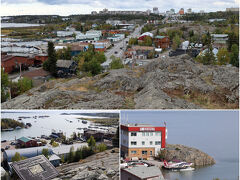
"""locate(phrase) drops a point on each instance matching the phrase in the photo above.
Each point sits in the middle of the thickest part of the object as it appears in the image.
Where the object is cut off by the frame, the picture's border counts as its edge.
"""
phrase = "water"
(213, 132)
(11, 25)
(44, 126)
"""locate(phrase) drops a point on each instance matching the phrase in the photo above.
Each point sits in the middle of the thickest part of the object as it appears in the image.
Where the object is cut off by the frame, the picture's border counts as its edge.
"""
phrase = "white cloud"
(67, 7)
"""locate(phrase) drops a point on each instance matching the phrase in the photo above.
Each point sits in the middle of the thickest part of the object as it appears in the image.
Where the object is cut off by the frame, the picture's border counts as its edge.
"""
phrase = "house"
(162, 42)
(143, 52)
(27, 142)
(144, 35)
(66, 67)
(142, 141)
(40, 58)
(98, 135)
(142, 172)
(77, 49)
(219, 40)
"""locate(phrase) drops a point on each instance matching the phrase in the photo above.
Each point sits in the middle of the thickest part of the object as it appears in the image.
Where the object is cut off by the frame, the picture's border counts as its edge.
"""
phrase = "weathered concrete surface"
(176, 82)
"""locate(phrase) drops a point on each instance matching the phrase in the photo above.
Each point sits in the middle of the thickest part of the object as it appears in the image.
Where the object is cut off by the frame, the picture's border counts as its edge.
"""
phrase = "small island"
(8, 124)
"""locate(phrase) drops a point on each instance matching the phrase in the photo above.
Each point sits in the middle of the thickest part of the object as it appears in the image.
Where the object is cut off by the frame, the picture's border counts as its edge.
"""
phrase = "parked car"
(115, 52)
(7, 147)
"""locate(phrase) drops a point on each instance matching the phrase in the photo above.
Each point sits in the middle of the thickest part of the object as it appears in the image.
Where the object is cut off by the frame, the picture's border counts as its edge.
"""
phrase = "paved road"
(119, 47)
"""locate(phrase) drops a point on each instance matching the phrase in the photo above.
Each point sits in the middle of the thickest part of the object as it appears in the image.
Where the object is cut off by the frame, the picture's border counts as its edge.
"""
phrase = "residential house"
(55, 160)
(66, 67)
(162, 42)
(143, 52)
(77, 49)
(144, 35)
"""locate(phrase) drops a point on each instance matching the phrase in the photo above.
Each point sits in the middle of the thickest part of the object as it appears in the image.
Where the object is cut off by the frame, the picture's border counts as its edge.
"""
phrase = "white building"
(92, 34)
(142, 140)
(155, 10)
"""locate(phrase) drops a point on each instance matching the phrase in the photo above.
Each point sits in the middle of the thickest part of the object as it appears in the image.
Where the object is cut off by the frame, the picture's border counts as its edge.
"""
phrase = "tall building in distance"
(155, 10)
(148, 12)
(236, 9)
(172, 11)
(181, 11)
(189, 10)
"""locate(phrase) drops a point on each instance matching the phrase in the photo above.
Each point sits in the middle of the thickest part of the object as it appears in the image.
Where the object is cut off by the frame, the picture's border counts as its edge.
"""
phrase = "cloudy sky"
(68, 7)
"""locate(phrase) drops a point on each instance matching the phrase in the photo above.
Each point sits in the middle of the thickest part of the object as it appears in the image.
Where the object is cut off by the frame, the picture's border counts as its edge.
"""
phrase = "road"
(120, 47)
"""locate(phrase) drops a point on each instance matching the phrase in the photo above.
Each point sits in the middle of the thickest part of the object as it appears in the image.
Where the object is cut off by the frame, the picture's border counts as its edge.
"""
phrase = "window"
(150, 152)
(151, 143)
(144, 152)
(157, 142)
(133, 143)
(133, 152)
(143, 133)
(151, 134)
(133, 134)
(147, 133)
(143, 142)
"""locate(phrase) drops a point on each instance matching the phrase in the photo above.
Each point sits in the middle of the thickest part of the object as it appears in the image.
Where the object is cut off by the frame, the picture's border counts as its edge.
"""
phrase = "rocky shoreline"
(187, 154)
(168, 83)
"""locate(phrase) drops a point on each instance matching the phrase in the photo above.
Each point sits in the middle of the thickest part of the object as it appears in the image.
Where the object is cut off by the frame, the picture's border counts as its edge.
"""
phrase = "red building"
(39, 59)
(181, 11)
(27, 142)
(142, 141)
(162, 42)
(144, 35)
(11, 63)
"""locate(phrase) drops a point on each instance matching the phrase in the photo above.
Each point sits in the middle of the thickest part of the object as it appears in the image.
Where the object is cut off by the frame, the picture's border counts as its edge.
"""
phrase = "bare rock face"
(187, 154)
(176, 82)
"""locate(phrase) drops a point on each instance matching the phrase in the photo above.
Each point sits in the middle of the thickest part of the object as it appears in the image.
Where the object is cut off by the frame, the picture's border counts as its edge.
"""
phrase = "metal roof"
(145, 172)
(25, 139)
(160, 37)
(54, 157)
(36, 168)
(26, 152)
(64, 149)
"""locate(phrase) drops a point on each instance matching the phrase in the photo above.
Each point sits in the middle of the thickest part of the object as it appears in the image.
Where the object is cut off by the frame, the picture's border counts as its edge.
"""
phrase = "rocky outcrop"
(169, 83)
(101, 166)
(187, 154)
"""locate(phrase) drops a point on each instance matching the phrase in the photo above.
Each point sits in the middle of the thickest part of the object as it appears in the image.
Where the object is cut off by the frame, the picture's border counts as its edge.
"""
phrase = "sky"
(68, 7)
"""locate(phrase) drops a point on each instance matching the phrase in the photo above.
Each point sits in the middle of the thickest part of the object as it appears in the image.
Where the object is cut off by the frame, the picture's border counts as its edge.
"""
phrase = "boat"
(178, 166)
(84, 121)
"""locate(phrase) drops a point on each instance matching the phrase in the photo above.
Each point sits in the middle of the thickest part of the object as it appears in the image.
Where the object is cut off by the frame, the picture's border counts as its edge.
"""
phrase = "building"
(90, 35)
(25, 152)
(148, 12)
(37, 167)
(25, 142)
(55, 160)
(189, 10)
(162, 42)
(236, 9)
(181, 11)
(155, 10)
(12, 63)
(142, 172)
(142, 36)
(94, 13)
(66, 67)
(219, 40)
(142, 52)
(142, 140)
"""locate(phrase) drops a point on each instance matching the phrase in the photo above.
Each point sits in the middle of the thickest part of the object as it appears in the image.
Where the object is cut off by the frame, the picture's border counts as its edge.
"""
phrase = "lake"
(12, 25)
(44, 126)
(213, 132)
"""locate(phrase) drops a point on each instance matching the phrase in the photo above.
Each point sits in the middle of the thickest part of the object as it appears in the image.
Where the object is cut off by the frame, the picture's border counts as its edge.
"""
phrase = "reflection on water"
(45, 125)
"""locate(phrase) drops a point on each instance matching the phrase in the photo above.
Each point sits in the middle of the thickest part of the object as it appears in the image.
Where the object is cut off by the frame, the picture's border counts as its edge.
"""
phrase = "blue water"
(213, 132)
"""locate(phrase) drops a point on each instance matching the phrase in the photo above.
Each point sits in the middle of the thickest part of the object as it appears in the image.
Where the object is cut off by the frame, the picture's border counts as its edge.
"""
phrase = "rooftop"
(64, 63)
(160, 37)
(143, 48)
(38, 167)
(64, 149)
(145, 172)
(25, 139)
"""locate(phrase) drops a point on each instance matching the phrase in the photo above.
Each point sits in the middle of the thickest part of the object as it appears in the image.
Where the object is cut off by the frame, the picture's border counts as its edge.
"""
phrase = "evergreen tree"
(50, 64)
(115, 139)
(234, 56)
(45, 152)
(223, 56)
(4, 86)
(91, 142)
